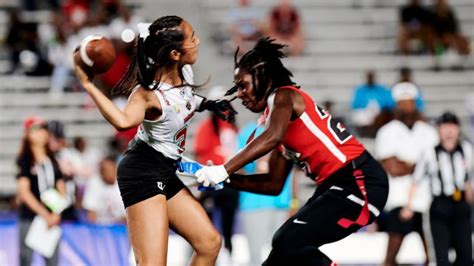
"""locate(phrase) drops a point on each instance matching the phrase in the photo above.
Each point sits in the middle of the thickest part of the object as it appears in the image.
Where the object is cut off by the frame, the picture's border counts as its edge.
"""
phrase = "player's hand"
(222, 108)
(82, 75)
(406, 214)
(212, 175)
(53, 219)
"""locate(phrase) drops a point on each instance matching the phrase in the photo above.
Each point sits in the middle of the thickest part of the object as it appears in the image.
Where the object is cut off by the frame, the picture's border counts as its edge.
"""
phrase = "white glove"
(212, 175)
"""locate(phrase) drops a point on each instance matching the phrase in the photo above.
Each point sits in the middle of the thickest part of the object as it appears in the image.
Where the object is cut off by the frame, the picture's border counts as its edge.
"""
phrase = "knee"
(209, 244)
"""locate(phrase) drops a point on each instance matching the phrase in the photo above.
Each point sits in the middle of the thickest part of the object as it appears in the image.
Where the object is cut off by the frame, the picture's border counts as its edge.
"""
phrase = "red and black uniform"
(352, 186)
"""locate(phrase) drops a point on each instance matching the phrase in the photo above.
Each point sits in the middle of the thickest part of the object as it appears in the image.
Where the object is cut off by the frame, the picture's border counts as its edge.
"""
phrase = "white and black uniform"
(149, 165)
(450, 214)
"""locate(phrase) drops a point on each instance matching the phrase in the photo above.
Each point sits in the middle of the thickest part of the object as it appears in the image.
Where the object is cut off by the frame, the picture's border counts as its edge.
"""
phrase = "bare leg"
(147, 223)
(188, 218)
(394, 243)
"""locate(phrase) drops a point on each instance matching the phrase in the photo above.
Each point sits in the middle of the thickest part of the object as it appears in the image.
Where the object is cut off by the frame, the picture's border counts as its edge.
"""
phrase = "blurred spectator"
(270, 211)
(286, 27)
(38, 172)
(246, 26)
(415, 25)
(215, 142)
(449, 168)
(23, 43)
(58, 145)
(85, 162)
(406, 76)
(399, 145)
(372, 105)
(33, 5)
(102, 199)
(448, 35)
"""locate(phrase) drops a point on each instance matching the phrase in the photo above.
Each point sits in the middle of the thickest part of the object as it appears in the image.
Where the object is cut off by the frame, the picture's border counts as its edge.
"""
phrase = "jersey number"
(337, 129)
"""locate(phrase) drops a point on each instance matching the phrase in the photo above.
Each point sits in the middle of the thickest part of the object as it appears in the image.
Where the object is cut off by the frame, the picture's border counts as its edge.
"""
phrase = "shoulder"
(425, 127)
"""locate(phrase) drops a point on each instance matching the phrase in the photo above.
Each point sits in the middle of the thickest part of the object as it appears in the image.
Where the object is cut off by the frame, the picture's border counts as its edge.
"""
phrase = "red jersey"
(320, 145)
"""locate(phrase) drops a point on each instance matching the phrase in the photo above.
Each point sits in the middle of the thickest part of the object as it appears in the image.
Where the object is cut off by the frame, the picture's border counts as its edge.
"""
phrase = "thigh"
(188, 218)
(147, 223)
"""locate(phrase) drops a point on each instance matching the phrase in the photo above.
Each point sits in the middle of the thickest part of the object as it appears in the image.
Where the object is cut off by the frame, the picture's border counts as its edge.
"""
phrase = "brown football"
(96, 54)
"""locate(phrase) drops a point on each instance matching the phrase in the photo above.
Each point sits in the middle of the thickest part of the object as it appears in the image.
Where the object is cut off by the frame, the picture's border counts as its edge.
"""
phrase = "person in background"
(446, 28)
(270, 211)
(102, 199)
(372, 106)
(38, 171)
(245, 26)
(285, 27)
(398, 146)
(449, 169)
(407, 76)
(85, 162)
(59, 146)
(415, 25)
(214, 143)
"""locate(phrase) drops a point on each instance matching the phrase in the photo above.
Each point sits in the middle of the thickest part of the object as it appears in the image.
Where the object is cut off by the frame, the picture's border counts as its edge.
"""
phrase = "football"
(95, 54)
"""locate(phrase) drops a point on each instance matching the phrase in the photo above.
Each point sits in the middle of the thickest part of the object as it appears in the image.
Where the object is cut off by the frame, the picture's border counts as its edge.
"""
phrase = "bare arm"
(468, 191)
(26, 196)
(270, 183)
(133, 114)
(271, 137)
(395, 167)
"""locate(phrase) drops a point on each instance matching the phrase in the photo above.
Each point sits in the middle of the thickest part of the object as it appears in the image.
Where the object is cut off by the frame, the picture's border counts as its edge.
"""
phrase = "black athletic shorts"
(395, 224)
(144, 172)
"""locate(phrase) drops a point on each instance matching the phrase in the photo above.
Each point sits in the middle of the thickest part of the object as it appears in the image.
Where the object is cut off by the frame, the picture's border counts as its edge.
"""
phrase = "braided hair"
(152, 53)
(263, 62)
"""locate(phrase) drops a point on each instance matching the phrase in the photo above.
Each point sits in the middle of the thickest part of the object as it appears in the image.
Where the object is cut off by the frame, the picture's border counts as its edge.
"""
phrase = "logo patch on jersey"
(180, 139)
(188, 105)
(176, 108)
(160, 185)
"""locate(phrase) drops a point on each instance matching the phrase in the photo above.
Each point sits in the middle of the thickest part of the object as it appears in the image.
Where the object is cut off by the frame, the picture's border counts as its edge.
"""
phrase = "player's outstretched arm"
(271, 137)
(279, 118)
(270, 183)
(133, 114)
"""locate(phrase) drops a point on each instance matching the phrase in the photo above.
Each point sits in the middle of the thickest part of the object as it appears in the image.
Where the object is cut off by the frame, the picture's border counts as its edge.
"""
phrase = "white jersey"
(167, 134)
(395, 139)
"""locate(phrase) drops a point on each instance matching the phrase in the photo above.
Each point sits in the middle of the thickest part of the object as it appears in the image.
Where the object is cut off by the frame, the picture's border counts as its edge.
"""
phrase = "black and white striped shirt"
(447, 171)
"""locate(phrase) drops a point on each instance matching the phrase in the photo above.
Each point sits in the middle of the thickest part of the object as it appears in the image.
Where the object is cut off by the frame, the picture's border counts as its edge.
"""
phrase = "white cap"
(404, 91)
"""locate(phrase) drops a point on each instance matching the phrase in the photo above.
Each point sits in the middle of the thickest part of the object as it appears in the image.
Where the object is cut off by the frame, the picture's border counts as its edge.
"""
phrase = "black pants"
(450, 223)
(297, 241)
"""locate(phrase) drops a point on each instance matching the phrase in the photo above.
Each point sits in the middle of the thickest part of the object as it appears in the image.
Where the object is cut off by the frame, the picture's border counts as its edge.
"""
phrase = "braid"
(263, 62)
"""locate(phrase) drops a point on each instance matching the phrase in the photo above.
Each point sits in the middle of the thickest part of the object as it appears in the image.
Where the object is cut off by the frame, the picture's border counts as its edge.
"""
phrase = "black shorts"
(395, 224)
(144, 172)
(318, 221)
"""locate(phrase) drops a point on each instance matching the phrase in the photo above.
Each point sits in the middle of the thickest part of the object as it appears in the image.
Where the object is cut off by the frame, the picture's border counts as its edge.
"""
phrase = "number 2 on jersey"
(337, 129)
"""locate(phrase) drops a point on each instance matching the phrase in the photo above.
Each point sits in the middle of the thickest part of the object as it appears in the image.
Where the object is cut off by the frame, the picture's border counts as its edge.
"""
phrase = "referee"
(449, 167)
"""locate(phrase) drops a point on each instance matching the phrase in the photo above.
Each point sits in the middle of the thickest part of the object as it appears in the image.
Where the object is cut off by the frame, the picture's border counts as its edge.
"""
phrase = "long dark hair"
(152, 53)
(26, 153)
(263, 62)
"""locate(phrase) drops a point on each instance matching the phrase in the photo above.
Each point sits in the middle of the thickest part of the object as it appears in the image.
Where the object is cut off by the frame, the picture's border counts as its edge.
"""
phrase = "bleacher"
(22, 96)
(345, 38)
